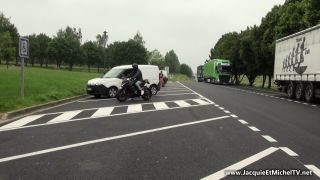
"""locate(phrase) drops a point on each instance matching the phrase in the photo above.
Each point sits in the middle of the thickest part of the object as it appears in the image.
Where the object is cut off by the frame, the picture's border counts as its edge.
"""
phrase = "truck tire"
(300, 91)
(291, 90)
(309, 93)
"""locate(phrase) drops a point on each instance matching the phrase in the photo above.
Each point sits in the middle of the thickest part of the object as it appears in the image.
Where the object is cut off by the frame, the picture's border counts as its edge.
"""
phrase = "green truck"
(217, 71)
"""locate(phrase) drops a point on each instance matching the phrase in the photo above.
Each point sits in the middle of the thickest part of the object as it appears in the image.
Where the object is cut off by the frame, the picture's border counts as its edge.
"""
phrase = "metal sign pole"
(22, 78)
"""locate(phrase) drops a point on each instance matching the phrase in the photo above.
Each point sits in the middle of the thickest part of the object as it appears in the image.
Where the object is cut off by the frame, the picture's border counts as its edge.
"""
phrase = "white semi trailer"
(297, 64)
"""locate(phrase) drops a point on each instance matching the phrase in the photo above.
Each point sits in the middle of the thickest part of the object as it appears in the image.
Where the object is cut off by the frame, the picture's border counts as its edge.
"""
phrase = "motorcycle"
(129, 90)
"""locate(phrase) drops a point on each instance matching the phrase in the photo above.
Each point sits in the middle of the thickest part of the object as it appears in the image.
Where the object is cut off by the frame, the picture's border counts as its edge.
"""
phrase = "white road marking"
(106, 111)
(182, 103)
(174, 88)
(234, 116)
(240, 165)
(216, 105)
(269, 138)
(87, 118)
(160, 105)
(243, 121)
(254, 128)
(95, 100)
(65, 116)
(174, 94)
(174, 91)
(134, 108)
(314, 169)
(107, 139)
(314, 105)
(288, 151)
(200, 101)
(227, 111)
(21, 122)
(194, 91)
(221, 108)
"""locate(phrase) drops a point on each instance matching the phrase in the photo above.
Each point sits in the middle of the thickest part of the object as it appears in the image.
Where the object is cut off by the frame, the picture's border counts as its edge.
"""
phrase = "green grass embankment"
(41, 86)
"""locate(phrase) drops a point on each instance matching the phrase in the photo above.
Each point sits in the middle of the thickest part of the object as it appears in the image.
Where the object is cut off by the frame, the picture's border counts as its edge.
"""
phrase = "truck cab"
(217, 71)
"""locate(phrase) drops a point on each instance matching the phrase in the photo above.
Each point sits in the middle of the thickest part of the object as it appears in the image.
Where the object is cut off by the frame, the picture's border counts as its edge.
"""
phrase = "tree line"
(66, 48)
(252, 50)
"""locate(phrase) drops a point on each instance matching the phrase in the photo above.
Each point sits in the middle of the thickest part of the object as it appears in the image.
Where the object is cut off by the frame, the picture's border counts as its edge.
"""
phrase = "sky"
(189, 27)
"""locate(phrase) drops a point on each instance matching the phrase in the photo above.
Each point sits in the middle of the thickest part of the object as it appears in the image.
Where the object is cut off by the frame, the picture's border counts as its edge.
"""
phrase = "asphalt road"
(188, 131)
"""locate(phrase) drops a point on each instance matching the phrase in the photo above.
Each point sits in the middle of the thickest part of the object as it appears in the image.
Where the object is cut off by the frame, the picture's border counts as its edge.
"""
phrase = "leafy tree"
(33, 49)
(228, 47)
(248, 55)
(65, 47)
(43, 41)
(7, 51)
(126, 52)
(171, 59)
(92, 54)
(57, 50)
(138, 38)
(7, 26)
(155, 58)
(185, 69)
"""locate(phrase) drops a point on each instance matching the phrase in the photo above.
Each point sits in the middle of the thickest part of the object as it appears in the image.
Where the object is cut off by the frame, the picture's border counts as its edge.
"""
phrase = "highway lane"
(188, 131)
(292, 124)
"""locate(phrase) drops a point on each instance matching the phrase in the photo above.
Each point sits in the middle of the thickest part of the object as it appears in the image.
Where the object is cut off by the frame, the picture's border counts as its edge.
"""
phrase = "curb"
(12, 115)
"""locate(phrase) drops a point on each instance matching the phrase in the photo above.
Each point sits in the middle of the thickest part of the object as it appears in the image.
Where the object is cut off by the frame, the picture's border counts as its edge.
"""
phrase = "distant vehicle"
(111, 82)
(200, 73)
(297, 64)
(217, 71)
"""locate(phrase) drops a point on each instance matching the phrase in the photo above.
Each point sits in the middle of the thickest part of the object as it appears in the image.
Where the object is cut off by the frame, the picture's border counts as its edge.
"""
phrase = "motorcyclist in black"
(136, 75)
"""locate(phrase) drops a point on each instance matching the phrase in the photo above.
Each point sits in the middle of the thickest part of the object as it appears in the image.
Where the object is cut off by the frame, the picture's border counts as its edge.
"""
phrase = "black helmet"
(135, 66)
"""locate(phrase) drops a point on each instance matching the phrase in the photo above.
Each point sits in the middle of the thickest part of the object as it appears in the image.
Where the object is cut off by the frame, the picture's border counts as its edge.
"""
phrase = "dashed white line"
(240, 165)
(160, 105)
(65, 116)
(227, 111)
(106, 111)
(269, 138)
(107, 139)
(314, 169)
(21, 122)
(254, 128)
(243, 121)
(234, 116)
(182, 103)
(134, 108)
(288, 151)
(221, 108)
(200, 101)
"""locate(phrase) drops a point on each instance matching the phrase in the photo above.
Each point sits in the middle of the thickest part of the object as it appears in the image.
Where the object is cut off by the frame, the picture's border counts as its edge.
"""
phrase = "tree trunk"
(7, 62)
(46, 63)
(88, 67)
(269, 82)
(263, 80)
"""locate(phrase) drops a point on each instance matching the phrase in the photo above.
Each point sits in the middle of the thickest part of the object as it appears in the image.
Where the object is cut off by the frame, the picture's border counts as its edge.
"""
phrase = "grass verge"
(179, 77)
(41, 86)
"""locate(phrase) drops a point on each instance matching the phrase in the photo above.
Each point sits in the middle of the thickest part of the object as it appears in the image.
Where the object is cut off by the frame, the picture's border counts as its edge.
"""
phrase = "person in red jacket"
(161, 79)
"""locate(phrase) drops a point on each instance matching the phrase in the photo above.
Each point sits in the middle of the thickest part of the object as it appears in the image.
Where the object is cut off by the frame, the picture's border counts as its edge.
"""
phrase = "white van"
(110, 83)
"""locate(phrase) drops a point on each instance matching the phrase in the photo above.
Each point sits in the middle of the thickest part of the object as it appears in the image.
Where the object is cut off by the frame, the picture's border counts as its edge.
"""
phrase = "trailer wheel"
(309, 92)
(291, 90)
(300, 91)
